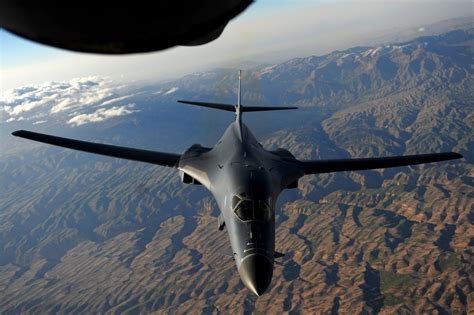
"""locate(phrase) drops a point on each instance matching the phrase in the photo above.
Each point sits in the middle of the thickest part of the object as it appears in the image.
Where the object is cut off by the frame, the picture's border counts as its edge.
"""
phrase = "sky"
(268, 31)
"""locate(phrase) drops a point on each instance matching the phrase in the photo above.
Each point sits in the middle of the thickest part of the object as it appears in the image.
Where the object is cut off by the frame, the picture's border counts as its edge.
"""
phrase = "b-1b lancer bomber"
(245, 179)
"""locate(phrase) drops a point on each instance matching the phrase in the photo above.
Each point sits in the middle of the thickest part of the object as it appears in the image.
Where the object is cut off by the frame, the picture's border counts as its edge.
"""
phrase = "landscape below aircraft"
(245, 179)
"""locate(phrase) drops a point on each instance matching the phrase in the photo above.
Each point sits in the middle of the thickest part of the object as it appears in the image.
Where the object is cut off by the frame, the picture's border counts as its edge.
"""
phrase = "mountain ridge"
(83, 233)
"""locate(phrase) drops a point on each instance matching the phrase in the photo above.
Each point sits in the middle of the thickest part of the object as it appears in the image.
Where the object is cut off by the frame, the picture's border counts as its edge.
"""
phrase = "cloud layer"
(102, 114)
(85, 99)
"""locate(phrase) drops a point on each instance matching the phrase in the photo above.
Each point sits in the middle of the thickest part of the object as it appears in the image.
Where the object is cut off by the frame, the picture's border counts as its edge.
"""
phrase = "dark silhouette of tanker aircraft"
(120, 29)
(245, 180)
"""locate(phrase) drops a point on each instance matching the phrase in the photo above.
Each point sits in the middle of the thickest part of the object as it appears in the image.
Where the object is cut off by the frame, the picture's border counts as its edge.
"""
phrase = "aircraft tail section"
(226, 107)
(265, 108)
(237, 108)
(232, 108)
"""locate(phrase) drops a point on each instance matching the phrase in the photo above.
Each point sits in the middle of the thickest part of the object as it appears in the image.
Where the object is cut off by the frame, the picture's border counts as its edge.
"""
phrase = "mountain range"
(81, 233)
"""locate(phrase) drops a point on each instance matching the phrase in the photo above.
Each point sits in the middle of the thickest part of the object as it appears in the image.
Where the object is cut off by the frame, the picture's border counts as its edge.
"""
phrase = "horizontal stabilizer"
(265, 108)
(227, 107)
(232, 108)
(344, 165)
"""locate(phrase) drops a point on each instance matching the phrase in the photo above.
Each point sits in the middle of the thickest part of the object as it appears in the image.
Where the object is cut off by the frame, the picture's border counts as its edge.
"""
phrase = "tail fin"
(238, 108)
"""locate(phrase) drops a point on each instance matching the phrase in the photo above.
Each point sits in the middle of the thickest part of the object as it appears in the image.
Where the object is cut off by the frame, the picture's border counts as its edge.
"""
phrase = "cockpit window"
(251, 210)
(244, 210)
(235, 201)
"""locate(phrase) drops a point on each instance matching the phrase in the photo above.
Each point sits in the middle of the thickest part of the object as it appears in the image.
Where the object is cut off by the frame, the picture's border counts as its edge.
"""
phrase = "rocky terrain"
(87, 234)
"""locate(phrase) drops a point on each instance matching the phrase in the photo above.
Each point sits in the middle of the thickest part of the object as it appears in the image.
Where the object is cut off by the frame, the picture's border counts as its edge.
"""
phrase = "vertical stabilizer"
(238, 107)
(240, 88)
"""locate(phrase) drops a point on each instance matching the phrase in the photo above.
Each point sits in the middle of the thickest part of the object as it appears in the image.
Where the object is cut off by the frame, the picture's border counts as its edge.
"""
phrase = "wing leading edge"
(153, 157)
(344, 165)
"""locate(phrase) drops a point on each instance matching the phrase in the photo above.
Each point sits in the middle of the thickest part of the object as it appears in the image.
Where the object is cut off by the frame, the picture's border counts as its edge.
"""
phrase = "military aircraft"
(245, 180)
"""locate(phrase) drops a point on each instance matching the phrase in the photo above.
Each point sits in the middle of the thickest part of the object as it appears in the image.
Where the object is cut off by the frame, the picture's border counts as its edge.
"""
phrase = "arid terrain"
(86, 234)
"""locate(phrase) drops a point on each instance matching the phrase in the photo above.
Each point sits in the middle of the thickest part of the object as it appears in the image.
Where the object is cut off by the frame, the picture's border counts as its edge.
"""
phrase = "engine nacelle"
(284, 153)
(293, 185)
(288, 156)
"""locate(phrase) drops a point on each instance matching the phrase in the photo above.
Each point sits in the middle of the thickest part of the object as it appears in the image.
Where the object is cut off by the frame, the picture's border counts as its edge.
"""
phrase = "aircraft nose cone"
(256, 273)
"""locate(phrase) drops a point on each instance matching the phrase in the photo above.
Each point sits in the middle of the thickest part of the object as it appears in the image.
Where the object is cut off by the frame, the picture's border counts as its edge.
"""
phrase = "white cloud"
(117, 99)
(83, 92)
(15, 119)
(102, 114)
(53, 98)
(172, 90)
(40, 122)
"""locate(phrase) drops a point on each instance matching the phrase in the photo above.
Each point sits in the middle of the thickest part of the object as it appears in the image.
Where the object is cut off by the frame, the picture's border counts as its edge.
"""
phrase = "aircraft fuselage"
(245, 180)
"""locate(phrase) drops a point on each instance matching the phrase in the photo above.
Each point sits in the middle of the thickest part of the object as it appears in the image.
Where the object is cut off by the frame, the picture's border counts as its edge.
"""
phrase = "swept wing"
(153, 157)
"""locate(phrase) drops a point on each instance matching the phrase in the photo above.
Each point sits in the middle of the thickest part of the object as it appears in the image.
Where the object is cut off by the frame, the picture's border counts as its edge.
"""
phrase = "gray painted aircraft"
(245, 180)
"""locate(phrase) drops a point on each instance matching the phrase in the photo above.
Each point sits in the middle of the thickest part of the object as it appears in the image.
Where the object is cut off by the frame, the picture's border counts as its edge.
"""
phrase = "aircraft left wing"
(344, 165)
(153, 157)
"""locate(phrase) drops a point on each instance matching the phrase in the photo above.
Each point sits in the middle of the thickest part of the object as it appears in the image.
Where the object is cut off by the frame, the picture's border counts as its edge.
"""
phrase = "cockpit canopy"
(251, 210)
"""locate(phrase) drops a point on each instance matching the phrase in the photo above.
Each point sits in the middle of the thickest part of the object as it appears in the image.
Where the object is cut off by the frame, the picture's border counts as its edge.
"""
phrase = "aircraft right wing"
(154, 157)
(344, 165)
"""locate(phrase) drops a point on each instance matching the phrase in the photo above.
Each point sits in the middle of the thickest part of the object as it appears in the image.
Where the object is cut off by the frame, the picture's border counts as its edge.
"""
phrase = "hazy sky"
(269, 30)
